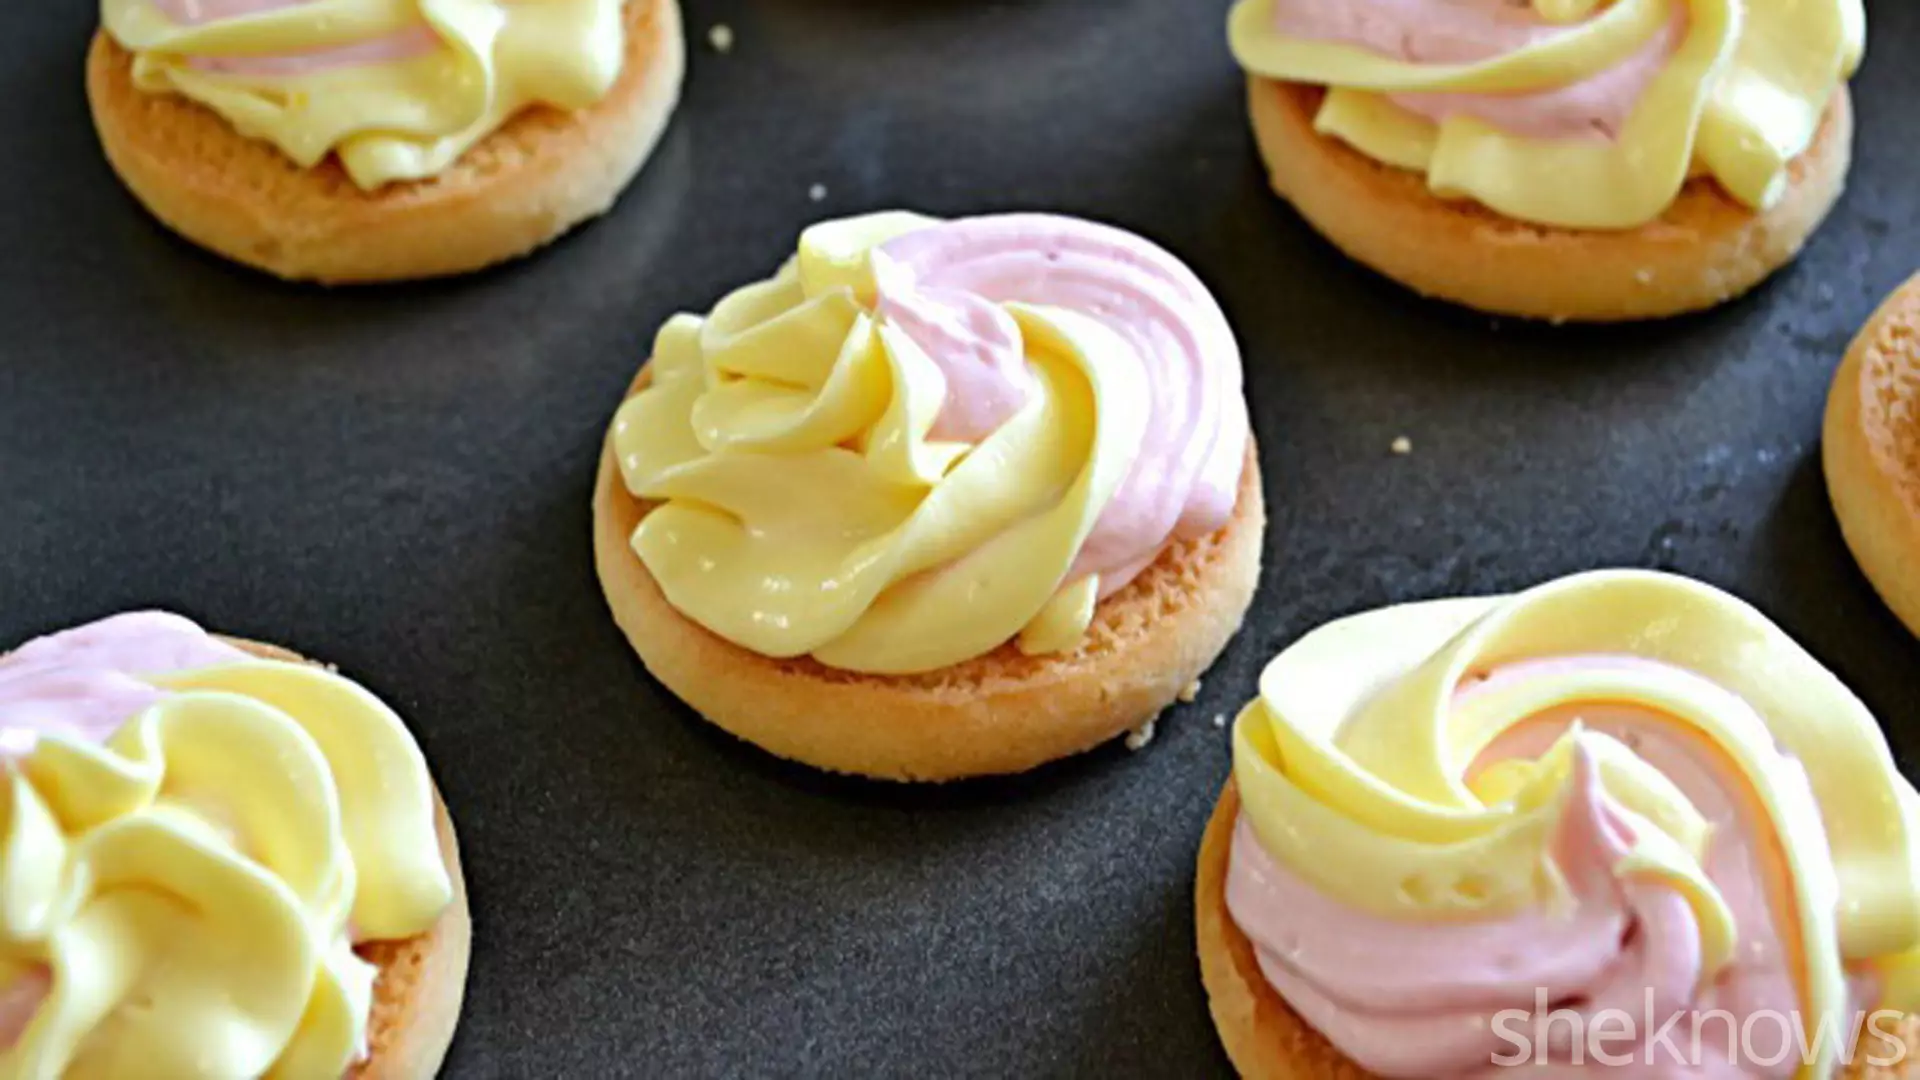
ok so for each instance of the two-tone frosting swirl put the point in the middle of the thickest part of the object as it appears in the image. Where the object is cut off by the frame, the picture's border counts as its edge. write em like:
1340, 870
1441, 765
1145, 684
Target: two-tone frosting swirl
191, 843
398, 89
1618, 791
1575, 113
922, 439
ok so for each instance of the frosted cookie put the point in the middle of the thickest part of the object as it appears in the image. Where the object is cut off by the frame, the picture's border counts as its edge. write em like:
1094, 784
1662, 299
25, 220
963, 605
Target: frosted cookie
220, 861
939, 498
373, 140
1592, 160
1469, 838
1871, 447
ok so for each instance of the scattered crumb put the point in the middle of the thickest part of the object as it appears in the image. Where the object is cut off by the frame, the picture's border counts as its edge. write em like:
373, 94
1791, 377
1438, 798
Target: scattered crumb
1402, 445
1557, 320
1191, 691
1141, 735
721, 38
1219, 719
1643, 275
817, 192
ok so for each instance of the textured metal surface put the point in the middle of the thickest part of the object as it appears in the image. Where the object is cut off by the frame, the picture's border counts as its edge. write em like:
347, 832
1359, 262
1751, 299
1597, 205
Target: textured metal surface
397, 480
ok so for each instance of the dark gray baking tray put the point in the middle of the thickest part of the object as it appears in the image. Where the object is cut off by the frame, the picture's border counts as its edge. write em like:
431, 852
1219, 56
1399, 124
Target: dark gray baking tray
397, 480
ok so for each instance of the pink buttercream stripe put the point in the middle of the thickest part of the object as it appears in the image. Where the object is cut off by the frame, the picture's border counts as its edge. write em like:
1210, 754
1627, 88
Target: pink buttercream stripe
1468, 31
944, 287
1416, 1000
404, 45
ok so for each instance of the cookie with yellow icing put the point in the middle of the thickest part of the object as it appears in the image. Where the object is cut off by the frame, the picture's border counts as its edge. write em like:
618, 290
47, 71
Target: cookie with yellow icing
381, 140
1266, 1040
938, 499
1606, 802
262, 850
1871, 449
1583, 161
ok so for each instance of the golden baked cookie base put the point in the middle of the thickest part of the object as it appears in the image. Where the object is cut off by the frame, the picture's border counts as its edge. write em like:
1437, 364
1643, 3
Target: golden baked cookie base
999, 713
1871, 450
542, 173
1263, 1036
1706, 249
423, 979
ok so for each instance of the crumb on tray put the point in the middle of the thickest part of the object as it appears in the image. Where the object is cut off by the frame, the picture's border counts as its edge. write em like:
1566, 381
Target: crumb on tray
1141, 735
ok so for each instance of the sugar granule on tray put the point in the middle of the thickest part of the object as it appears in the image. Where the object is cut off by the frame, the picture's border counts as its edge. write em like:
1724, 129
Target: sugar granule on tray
721, 38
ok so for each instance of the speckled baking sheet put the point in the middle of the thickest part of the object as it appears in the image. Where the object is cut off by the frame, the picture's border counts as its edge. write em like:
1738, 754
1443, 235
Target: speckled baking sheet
397, 480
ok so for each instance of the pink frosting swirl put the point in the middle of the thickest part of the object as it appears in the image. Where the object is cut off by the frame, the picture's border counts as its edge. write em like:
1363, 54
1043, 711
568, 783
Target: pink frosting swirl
403, 45
81, 683
1468, 31
1418, 1000
943, 285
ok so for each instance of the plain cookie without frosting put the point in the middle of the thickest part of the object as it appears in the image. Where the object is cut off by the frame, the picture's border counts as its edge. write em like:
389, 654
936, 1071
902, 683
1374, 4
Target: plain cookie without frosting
1871, 450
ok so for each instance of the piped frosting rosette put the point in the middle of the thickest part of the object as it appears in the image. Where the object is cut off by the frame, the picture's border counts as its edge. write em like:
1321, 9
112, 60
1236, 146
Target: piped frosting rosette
194, 840
922, 439
398, 89
1574, 113
1618, 791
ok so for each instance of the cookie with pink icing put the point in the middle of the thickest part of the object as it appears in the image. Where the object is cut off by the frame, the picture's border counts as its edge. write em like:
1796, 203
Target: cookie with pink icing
1561, 159
938, 498
1619, 823
363, 140
219, 861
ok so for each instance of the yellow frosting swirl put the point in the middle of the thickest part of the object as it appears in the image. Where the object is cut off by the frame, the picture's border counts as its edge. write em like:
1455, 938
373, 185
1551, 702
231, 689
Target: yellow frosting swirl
189, 885
1360, 743
787, 437
1738, 98
393, 112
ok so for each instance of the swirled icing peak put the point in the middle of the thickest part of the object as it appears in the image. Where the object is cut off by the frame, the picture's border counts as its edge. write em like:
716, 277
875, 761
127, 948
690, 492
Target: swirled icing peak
398, 89
193, 842
1618, 791
1576, 113
921, 439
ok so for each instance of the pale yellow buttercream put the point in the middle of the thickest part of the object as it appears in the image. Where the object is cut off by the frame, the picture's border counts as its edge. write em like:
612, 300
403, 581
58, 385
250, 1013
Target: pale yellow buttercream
1738, 100
786, 436
192, 886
